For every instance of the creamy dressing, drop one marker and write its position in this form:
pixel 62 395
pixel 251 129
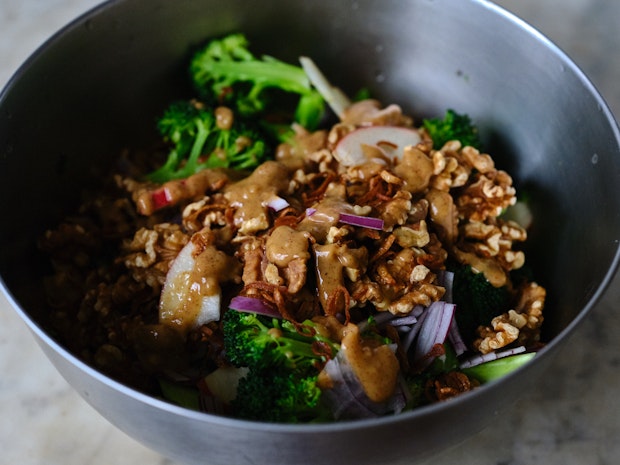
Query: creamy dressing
pixel 375 365
pixel 191 293
pixel 286 244
pixel 326 213
pixel 251 196
pixel 332 261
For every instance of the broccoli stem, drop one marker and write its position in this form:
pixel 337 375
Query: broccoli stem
pixel 263 73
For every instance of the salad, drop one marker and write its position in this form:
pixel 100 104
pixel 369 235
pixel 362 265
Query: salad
pixel 286 253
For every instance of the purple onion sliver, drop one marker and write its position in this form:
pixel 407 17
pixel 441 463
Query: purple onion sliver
pixel 446 280
pixel 454 336
pixel 362 221
pixel 434 330
pixel 403 320
pixel 408 341
pixel 479 359
pixel 417 310
pixel 253 305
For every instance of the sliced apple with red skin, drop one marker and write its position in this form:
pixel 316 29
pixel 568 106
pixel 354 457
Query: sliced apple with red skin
pixel 357 147
pixel 191 295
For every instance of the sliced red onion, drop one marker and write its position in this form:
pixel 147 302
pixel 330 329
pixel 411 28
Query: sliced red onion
pixel 347 398
pixel 445 279
pixel 434 330
pixel 403 320
pixel 242 303
pixel 310 211
pixel 417 310
pixel 361 221
pixel 454 336
pixel 482 358
pixel 277 203
pixel 378 319
pixel 407 341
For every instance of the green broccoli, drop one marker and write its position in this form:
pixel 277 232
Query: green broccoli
pixel 453 126
pixel 477 300
pixel 226 72
pixel 281 395
pixel 284 361
pixel 252 340
pixel 198 142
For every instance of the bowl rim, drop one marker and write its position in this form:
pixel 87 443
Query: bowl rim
pixel 330 427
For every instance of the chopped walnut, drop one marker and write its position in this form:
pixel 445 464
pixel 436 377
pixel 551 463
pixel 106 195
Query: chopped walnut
pixel 415 235
pixel 530 306
pixel 395 211
pixel 500 334
pixel 482 162
pixel 398 282
pixel 448 385
pixel 208 212
pixel 448 172
pixel 149 253
pixel 521 324
pixel 494 239
pixel 486 196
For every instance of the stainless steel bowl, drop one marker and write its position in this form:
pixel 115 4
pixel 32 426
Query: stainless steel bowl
pixel 96 86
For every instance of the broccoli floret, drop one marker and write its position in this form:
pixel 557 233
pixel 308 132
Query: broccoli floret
pixel 284 361
pixel 281 395
pixel 252 340
pixel 198 142
pixel 477 300
pixel 226 72
pixel 453 126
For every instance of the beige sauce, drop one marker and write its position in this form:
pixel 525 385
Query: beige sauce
pixel 329 271
pixel 443 213
pixel 326 214
pixel 285 244
pixel 375 365
pixel 251 195
pixel 183 300
pixel 177 190
pixel 331 261
pixel 415 168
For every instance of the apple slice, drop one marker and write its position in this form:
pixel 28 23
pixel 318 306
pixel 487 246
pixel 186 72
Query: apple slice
pixel 358 146
pixel 191 295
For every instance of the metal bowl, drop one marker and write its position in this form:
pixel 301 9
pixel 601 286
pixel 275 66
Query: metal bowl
pixel 97 85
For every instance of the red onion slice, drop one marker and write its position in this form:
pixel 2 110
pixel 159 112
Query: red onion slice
pixel 482 358
pixel 253 305
pixel 434 330
pixel 403 320
pixel 446 280
pixel 407 340
pixel 454 336
pixel 355 220
pixel 346 397
pixel 361 221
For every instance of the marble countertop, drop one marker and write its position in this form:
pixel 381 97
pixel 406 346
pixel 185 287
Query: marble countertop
pixel 570 417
